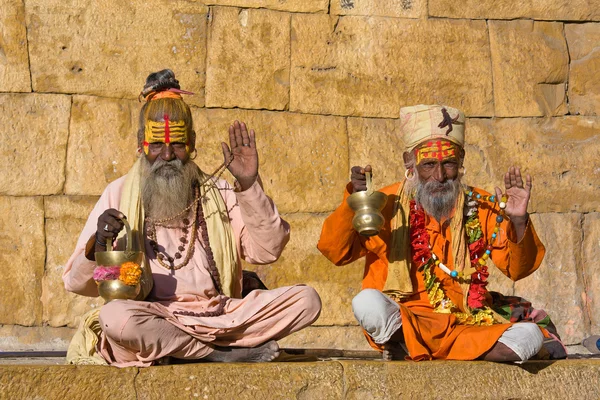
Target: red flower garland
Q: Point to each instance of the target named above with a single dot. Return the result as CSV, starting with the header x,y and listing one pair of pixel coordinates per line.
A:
x,y
477,289
419,238
421,254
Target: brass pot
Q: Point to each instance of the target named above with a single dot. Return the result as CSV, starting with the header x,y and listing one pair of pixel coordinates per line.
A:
x,y
115,289
367,207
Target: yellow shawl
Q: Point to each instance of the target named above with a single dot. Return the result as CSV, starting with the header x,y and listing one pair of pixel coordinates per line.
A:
x,y
82,349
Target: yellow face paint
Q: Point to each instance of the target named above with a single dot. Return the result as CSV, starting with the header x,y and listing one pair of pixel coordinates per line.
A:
x,y
166,132
437,149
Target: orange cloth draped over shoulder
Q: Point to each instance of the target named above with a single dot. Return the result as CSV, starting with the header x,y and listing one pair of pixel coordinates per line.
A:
x,y
431,335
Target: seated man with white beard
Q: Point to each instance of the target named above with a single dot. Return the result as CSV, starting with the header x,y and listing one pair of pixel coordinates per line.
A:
x,y
194,229
424,285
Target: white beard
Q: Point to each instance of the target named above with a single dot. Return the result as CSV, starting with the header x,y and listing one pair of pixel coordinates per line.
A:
x,y
167,187
438,199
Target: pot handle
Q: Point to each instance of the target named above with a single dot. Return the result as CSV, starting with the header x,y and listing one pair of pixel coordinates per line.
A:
x,y
128,237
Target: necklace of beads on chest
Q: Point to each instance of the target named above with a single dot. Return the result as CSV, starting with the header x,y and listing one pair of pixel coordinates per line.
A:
x,y
189,229
473,229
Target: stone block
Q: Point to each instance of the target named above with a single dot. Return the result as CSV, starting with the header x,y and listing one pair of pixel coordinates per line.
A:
x,y
573,10
108,48
371,66
23,253
34,136
301,262
393,8
248,63
311,380
303,158
530,68
36,338
376,142
309,6
556,152
327,337
584,74
14,60
67,382
591,269
64,224
102,143
557,286
479,380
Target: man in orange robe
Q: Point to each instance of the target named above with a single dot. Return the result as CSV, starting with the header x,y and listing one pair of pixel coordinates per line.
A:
x,y
424,284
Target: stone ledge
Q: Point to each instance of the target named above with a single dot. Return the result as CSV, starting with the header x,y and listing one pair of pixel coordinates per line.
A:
x,y
346,379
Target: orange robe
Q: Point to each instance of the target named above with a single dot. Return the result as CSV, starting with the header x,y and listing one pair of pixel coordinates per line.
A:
x,y
430,335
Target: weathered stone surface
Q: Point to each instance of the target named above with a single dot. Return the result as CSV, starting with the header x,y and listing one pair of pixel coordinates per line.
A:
x,y
67,382
478,380
584,76
65,218
108,48
102,144
22,253
14,61
558,153
376,142
303,158
69,207
301,262
393,8
563,10
38,338
557,286
310,6
370,66
591,269
248,59
322,380
530,67
327,337
34,134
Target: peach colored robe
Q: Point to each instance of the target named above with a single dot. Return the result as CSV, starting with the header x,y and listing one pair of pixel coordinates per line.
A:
x,y
431,335
260,235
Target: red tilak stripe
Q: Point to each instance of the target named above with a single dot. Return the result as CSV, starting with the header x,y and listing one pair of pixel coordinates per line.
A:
x,y
167,130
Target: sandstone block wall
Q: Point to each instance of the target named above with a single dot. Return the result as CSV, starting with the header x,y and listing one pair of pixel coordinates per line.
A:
x,y
322,82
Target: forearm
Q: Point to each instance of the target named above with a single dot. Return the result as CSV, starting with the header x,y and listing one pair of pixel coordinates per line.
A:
x,y
264,233
519,258
519,225
79,278
339,242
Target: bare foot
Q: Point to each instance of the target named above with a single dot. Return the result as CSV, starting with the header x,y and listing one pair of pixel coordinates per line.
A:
x,y
264,353
393,351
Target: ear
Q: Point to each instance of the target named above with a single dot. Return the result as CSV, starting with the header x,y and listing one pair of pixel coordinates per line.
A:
x,y
461,156
192,140
406,157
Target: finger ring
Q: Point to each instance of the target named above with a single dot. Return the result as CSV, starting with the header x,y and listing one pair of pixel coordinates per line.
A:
x,y
246,144
106,228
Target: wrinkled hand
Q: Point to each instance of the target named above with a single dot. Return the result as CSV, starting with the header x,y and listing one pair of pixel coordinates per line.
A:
x,y
244,166
518,193
109,225
358,178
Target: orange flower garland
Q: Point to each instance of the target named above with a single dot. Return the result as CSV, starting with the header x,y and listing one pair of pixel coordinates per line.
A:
x,y
130,273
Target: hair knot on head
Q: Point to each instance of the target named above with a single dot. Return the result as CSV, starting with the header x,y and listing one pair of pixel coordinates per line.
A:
x,y
160,85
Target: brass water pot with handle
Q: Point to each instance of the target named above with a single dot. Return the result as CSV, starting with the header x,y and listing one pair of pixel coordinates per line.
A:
x,y
367,206
115,289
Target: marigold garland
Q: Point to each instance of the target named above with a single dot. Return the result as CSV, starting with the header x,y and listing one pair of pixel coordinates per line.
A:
x,y
130,273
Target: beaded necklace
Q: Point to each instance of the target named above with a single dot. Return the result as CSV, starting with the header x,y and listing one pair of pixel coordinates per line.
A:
x,y
197,218
426,260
